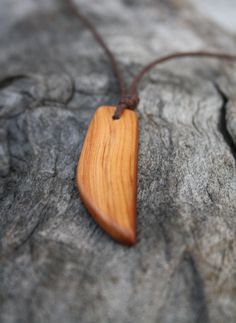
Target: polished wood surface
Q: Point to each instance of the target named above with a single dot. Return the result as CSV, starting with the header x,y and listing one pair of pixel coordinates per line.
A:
x,y
107,172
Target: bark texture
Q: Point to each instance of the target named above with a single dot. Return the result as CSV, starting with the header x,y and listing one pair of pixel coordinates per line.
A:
x,y
56,265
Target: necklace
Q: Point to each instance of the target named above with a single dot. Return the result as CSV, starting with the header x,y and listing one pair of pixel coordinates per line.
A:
x,y
107,169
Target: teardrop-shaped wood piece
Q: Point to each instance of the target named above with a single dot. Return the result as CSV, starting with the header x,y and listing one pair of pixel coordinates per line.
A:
x,y
107,172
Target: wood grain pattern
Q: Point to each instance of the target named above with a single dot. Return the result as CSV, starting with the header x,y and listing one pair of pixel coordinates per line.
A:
x,y
107,172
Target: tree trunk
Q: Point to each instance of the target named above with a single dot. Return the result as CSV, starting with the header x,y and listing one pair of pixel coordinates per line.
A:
x,y
56,264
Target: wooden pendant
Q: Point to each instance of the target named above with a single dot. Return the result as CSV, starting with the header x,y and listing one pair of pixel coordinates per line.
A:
x,y
107,172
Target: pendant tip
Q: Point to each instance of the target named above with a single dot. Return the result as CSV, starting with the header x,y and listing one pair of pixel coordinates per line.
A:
x,y
125,237
130,239
123,234
120,233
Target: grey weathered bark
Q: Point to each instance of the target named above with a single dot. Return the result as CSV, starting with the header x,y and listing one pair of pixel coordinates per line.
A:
x,y
56,264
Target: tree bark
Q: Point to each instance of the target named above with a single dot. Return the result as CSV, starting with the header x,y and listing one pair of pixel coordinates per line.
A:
x,y
56,264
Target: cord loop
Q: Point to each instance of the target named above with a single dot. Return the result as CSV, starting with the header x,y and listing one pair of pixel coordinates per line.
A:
x,y
129,101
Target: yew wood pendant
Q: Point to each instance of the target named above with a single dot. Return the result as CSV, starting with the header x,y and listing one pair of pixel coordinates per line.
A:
x,y
107,172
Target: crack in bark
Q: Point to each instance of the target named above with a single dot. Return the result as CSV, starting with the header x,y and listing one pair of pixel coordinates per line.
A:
x,y
6,81
222,126
197,293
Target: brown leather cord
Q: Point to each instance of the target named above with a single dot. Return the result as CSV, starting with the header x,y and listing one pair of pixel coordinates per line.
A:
x,y
200,54
133,89
129,98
